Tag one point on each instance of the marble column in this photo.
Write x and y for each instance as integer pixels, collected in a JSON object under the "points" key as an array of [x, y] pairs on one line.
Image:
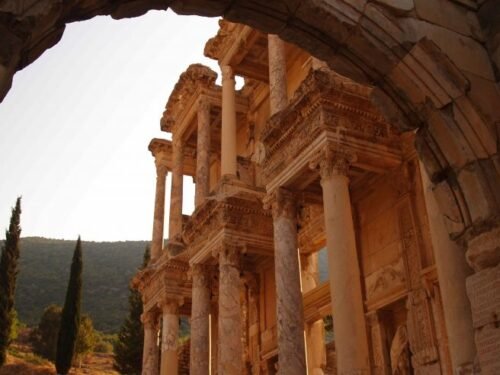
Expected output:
{"points": [[200, 321], [315, 332], [453, 270], [169, 336], [203, 153], [159, 213], [278, 97], [228, 131], [175, 220], [349, 323], [230, 351], [150, 360], [289, 305]]}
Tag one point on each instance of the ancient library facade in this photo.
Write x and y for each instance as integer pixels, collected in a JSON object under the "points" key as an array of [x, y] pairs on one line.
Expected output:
{"points": [[316, 246]]}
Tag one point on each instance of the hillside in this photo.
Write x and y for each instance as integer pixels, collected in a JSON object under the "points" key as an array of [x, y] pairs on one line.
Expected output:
{"points": [[107, 270]]}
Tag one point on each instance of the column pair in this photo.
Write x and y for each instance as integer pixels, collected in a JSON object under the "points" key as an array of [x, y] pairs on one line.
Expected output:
{"points": [[230, 349]]}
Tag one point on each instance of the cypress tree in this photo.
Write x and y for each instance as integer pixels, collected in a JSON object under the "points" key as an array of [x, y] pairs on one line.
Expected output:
{"points": [[129, 346], [8, 273], [70, 319]]}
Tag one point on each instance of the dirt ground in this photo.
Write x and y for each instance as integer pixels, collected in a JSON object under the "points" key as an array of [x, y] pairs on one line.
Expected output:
{"points": [[21, 361]]}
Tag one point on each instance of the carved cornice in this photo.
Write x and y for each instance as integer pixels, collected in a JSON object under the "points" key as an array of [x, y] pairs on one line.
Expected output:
{"points": [[326, 108], [216, 46], [322, 85], [237, 212], [196, 76]]}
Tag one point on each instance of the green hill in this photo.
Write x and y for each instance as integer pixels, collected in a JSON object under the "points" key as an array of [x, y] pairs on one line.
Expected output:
{"points": [[107, 270]]}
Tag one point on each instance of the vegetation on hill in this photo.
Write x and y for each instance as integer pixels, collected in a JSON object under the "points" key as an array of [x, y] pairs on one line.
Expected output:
{"points": [[44, 271], [8, 274]]}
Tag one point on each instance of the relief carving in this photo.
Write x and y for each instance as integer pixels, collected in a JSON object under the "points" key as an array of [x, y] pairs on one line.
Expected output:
{"points": [[385, 280], [400, 352], [332, 161], [283, 203]]}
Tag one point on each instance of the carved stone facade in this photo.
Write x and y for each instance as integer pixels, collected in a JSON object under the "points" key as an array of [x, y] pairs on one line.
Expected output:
{"points": [[313, 246]]}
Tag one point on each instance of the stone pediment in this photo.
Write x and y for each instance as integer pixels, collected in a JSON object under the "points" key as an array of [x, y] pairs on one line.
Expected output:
{"points": [[196, 77]]}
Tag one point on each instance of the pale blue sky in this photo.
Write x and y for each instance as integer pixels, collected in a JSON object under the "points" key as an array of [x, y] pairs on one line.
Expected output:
{"points": [[75, 127]]}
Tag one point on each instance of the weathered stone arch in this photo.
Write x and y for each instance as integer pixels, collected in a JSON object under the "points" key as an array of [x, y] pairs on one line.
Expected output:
{"points": [[435, 65]]}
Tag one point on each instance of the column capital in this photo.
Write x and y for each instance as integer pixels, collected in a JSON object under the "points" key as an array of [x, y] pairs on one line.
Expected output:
{"points": [[161, 168], [229, 254], [227, 72], [333, 161], [282, 202], [203, 104], [150, 319], [170, 305], [200, 275]]}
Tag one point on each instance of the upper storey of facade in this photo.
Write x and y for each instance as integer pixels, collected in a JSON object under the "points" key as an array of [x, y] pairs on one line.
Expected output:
{"points": [[322, 109]]}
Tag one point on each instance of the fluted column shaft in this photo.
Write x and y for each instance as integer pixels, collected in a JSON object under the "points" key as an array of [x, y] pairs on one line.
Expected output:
{"points": [[203, 153], [228, 131], [453, 270], [230, 347], [343, 266], [159, 211], [170, 333], [200, 321], [175, 223], [277, 73], [289, 305], [150, 350]]}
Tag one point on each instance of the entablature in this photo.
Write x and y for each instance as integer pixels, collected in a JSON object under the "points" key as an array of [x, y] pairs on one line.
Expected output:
{"points": [[241, 47], [233, 214], [327, 111], [161, 149], [164, 280]]}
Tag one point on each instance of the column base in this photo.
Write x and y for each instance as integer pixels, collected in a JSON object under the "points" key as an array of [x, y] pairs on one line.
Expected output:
{"points": [[467, 369]]}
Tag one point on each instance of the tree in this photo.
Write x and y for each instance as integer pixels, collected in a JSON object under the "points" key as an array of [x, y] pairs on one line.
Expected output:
{"points": [[86, 339], [8, 273], [129, 346], [70, 318], [44, 337]]}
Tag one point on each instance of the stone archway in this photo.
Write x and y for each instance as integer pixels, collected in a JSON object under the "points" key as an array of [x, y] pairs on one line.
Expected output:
{"points": [[435, 67]]}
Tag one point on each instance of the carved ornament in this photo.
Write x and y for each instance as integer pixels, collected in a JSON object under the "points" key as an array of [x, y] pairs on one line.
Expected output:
{"points": [[196, 76], [333, 161], [170, 305], [283, 203], [150, 319]]}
